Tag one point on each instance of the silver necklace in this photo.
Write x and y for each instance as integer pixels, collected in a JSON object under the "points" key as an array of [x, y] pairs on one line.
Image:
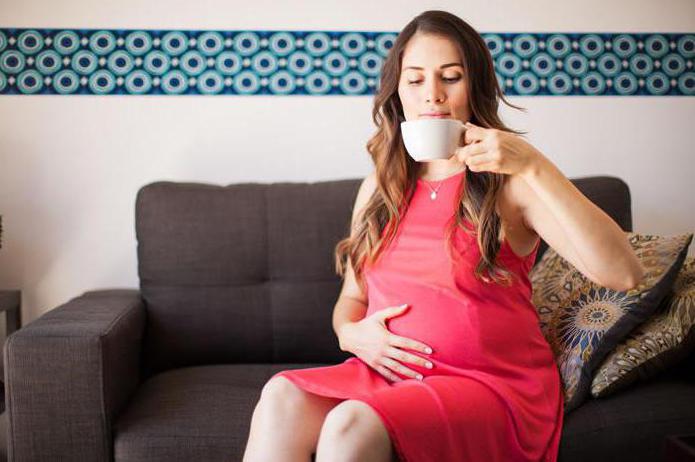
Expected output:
{"points": [[433, 195]]}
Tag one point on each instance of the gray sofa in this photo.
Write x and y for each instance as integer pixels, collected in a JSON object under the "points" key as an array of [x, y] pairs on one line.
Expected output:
{"points": [[237, 282]]}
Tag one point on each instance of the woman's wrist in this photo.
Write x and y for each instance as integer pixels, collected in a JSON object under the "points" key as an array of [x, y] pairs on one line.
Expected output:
{"points": [[343, 337]]}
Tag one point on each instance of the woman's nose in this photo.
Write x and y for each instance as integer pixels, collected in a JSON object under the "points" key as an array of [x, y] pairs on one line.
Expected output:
{"points": [[435, 92]]}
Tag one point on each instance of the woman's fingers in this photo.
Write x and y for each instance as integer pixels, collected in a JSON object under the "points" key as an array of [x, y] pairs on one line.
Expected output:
{"points": [[398, 367], [386, 372], [392, 311], [404, 342], [404, 356]]}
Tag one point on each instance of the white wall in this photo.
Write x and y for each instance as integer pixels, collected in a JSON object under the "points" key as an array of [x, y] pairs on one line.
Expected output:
{"points": [[70, 166]]}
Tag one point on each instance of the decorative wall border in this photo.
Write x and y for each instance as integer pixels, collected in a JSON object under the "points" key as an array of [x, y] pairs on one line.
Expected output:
{"points": [[187, 62]]}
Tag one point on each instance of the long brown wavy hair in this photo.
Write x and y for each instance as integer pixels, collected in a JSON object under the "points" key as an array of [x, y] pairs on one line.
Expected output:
{"points": [[397, 172]]}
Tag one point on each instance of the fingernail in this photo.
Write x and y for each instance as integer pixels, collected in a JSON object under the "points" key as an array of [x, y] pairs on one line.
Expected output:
{"points": [[429, 365], [419, 376], [428, 350], [403, 305]]}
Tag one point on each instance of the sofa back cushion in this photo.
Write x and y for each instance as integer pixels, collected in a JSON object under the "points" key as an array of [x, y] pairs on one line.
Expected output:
{"points": [[245, 273], [242, 273]]}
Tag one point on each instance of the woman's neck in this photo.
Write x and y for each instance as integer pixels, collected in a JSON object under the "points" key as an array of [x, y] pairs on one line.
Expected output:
{"points": [[438, 169]]}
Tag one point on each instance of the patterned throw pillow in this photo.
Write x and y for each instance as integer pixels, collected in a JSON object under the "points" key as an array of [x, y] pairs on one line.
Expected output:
{"points": [[662, 341], [583, 321]]}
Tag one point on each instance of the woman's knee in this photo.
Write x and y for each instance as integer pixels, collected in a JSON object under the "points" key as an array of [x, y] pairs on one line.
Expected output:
{"points": [[281, 392], [353, 418]]}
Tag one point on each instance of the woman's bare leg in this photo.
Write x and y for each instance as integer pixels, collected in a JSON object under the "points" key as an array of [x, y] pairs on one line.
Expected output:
{"points": [[286, 423], [353, 431]]}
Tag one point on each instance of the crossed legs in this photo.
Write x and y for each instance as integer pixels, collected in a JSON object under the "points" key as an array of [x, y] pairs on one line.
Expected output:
{"points": [[289, 424]]}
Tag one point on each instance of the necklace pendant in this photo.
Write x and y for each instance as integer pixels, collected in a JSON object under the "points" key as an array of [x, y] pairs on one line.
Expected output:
{"points": [[433, 196]]}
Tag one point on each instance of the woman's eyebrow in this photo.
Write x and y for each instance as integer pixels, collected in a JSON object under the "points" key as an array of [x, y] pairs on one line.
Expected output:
{"points": [[442, 67]]}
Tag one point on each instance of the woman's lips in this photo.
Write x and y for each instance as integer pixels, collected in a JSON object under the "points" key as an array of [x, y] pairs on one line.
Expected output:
{"points": [[435, 116]]}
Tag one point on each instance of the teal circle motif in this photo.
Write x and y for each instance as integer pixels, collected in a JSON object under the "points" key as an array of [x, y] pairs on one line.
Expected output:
{"points": [[335, 63], [686, 46], [246, 83], [543, 64], [383, 43], [30, 42], [686, 83], [174, 43], [560, 84], [66, 82], [210, 83], [495, 44], [210, 43], [120, 62], [84, 62], [658, 83], [174, 82], [353, 83], [370, 63], [138, 43], [509, 64], [625, 83], [246, 43], [228, 63], [138, 82], [624, 45], [673, 65], [591, 45], [102, 82], [264, 63], [526, 83], [352, 44], [558, 45], [156, 62], [641, 65], [12, 62], [30, 82], [102, 42], [193, 63], [525, 45], [317, 44], [609, 64], [66, 42], [593, 83], [300, 63], [282, 83], [656, 46], [281, 43], [576, 64], [48, 62], [318, 83]]}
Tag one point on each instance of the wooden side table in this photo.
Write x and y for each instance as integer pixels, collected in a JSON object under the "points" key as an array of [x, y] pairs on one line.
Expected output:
{"points": [[10, 304]]}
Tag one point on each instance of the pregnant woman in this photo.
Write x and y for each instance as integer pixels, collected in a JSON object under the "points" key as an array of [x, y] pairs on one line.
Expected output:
{"points": [[449, 360]]}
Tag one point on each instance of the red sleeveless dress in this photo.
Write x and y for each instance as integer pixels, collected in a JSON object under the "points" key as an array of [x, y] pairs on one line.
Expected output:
{"points": [[494, 393]]}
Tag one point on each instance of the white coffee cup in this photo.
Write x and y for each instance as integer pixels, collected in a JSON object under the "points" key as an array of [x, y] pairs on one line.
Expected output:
{"points": [[432, 139]]}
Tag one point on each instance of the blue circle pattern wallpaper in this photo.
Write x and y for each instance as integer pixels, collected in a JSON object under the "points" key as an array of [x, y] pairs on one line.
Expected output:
{"points": [[182, 62]]}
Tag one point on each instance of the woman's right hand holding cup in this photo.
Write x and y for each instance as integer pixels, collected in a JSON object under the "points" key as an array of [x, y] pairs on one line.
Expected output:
{"points": [[370, 340]]}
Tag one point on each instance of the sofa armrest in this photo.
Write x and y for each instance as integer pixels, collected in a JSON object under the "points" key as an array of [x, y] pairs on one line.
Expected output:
{"points": [[69, 373]]}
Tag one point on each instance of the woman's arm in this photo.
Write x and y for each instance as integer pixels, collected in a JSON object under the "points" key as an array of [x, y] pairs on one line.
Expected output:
{"points": [[575, 227], [347, 310], [554, 208]]}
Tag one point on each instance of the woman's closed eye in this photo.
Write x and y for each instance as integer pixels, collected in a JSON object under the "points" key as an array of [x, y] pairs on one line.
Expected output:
{"points": [[451, 80]]}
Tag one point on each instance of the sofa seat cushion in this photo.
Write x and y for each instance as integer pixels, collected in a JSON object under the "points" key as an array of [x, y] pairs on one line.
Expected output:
{"points": [[193, 413], [633, 423]]}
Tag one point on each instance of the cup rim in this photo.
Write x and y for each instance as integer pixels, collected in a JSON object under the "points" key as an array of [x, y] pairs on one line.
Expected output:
{"points": [[406, 122]]}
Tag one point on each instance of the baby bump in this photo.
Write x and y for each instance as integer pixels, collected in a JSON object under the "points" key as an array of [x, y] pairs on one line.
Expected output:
{"points": [[437, 320]]}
